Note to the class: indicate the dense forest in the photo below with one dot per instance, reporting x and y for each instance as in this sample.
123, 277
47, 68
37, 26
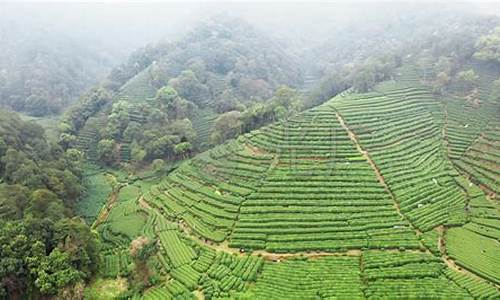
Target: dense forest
44, 246
225, 162
42, 73
224, 71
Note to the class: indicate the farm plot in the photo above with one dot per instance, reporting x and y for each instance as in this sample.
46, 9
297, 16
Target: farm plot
207, 191
482, 159
97, 191
480, 256
405, 275
321, 195
138, 89
115, 263
398, 130
203, 124
191, 266
322, 278
125, 219
476, 288
229, 274
310, 135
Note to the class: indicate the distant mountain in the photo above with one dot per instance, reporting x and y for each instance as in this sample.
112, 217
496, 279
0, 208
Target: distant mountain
43, 71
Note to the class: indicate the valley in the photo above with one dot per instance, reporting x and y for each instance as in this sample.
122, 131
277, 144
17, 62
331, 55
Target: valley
244, 161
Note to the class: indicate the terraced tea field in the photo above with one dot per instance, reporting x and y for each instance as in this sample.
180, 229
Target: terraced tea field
361, 197
472, 123
139, 88
396, 127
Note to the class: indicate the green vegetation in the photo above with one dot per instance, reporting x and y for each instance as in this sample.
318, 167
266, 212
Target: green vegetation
480, 255
162, 104
103, 289
395, 126
476, 288
407, 276
385, 186
329, 277
42, 247
96, 193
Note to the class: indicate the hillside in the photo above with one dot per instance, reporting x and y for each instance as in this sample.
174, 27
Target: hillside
219, 67
367, 183
43, 247
42, 71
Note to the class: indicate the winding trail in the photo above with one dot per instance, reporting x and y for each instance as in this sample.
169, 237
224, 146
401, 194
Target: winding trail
269, 256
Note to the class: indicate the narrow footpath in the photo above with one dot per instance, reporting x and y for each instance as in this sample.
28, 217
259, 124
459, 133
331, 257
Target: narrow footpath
441, 229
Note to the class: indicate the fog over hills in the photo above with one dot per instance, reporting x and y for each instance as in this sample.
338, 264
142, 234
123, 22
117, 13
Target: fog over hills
249, 150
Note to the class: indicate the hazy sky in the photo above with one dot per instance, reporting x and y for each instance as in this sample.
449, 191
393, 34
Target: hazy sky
125, 25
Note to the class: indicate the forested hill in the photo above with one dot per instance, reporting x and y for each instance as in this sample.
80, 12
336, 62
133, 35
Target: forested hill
172, 99
43, 71
43, 248
360, 56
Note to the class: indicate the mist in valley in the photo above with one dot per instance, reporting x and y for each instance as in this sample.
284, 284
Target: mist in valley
247, 150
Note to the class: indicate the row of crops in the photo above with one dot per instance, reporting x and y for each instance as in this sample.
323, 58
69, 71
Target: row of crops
372, 275
301, 186
480, 235
482, 159
139, 88
407, 276
206, 192
323, 278
396, 126
203, 124
125, 221
187, 265
321, 194
295, 186
472, 128
88, 136
191, 267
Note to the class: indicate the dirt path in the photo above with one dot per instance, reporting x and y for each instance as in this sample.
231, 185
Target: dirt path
380, 177
142, 203
270, 256
450, 263
256, 150
199, 295
441, 229
106, 209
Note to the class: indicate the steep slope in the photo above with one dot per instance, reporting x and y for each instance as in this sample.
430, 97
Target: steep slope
362, 171
471, 128
296, 186
395, 125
